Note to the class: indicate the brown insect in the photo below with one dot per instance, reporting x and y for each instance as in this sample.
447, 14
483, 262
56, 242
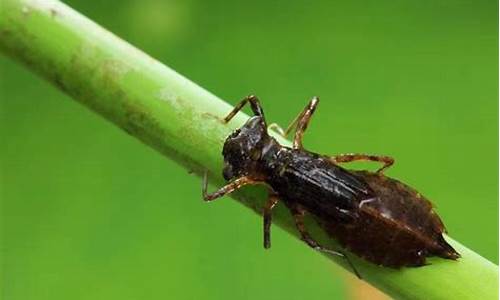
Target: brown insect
374, 216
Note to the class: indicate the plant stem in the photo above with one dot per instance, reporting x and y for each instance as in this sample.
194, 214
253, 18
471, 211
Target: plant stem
179, 119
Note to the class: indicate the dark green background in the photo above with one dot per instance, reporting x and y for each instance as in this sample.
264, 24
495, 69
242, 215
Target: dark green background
90, 213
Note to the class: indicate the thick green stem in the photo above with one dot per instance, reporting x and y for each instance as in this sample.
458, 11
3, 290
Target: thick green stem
178, 118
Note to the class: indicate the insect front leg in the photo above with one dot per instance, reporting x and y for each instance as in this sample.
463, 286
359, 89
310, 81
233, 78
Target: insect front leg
229, 188
298, 215
386, 160
268, 207
254, 104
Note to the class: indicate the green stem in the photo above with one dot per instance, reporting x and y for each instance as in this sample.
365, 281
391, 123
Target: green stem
178, 118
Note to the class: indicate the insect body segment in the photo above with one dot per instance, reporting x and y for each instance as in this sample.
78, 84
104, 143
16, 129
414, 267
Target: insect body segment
374, 216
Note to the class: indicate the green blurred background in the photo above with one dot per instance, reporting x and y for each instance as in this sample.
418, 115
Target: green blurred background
90, 213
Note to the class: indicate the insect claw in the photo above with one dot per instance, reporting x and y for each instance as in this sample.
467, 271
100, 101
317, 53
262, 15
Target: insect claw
334, 253
204, 185
217, 118
340, 254
329, 251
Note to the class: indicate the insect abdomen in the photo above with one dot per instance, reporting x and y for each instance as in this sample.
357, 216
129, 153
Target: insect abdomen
319, 186
398, 228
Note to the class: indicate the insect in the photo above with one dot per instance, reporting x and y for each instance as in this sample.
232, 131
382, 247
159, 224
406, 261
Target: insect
374, 216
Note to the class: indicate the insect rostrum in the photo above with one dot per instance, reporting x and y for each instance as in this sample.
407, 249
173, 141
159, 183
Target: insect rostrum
374, 216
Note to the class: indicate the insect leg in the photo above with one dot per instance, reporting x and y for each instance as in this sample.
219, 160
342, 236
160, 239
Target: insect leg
254, 104
229, 188
300, 123
268, 207
303, 121
386, 160
298, 215
278, 129
284, 133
